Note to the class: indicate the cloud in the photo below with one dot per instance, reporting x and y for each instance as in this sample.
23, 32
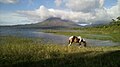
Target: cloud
101, 2
8, 1
13, 19
58, 2
43, 13
82, 5
114, 11
31, 2
39, 14
90, 11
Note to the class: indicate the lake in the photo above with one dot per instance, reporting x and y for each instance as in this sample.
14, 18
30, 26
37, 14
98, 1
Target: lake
49, 37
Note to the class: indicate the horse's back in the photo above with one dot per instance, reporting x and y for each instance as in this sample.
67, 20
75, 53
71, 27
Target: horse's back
71, 37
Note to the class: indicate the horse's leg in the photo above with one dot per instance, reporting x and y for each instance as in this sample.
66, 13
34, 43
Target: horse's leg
69, 43
79, 43
84, 44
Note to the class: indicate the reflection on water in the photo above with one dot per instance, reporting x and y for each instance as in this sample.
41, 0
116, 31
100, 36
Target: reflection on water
50, 38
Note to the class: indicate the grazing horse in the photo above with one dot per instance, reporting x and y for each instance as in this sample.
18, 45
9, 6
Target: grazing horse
76, 39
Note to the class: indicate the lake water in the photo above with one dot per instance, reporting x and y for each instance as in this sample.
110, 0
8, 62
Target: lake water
50, 38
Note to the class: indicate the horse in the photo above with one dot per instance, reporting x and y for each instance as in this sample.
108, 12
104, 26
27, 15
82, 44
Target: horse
75, 39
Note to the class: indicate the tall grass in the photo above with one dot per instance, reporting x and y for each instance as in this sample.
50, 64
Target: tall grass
24, 52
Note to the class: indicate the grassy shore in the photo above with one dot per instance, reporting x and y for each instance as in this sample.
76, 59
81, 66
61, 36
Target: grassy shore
101, 33
28, 52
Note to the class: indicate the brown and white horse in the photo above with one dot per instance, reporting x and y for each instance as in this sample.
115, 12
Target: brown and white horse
75, 39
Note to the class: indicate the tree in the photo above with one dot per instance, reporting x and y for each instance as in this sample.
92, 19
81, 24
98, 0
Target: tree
113, 20
116, 22
118, 18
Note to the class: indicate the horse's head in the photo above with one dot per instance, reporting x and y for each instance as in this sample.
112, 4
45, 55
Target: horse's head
84, 42
79, 37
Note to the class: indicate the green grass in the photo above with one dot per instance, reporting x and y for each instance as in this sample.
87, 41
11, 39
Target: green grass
102, 33
25, 52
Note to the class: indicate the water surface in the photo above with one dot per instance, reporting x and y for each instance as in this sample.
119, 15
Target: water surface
50, 38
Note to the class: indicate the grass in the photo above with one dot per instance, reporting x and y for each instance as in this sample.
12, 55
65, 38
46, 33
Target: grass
100, 33
26, 52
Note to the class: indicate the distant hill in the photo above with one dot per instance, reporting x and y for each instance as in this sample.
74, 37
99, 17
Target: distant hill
52, 23
57, 22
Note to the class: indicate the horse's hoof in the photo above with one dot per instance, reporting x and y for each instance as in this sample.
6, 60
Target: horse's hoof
68, 45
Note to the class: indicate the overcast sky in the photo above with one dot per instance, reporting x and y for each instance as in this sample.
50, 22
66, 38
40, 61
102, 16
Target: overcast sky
14, 12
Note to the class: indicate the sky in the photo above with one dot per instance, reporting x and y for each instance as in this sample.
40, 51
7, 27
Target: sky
14, 12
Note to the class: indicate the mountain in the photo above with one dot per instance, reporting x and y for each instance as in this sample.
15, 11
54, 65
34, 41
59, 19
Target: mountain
52, 23
57, 22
